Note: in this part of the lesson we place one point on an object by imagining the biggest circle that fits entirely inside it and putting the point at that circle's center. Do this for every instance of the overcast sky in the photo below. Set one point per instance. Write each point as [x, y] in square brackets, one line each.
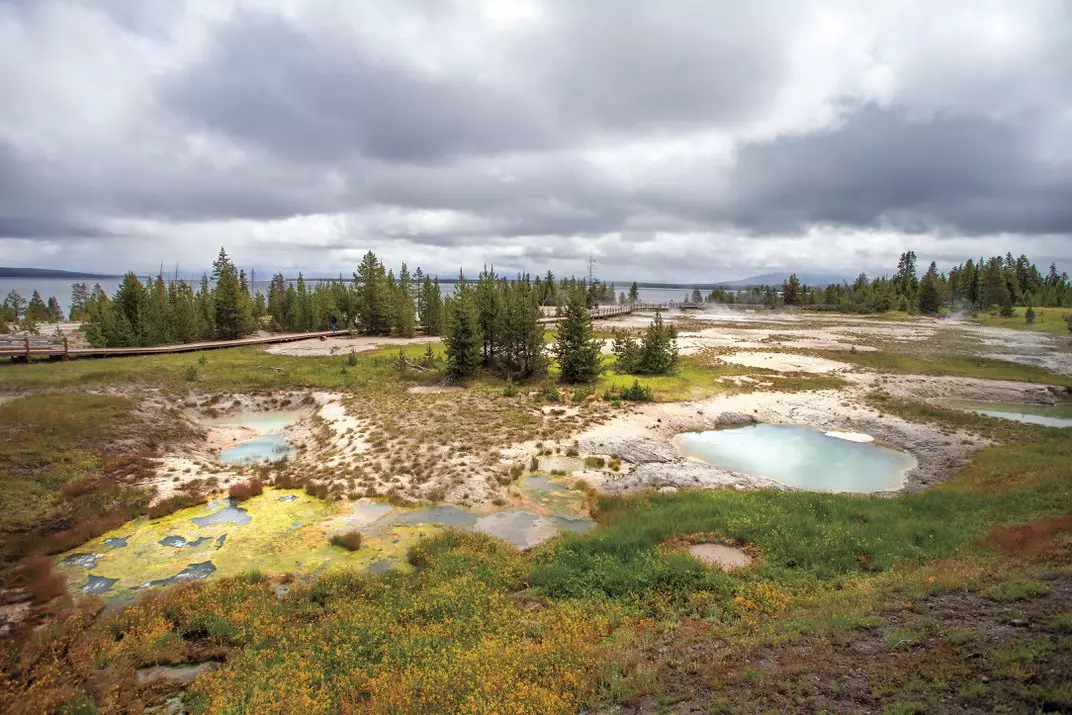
[672, 140]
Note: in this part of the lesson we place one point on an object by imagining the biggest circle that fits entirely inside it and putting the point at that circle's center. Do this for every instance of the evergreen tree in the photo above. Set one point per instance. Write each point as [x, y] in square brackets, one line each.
[462, 339]
[577, 349]
[930, 299]
[995, 289]
[130, 307]
[207, 309]
[37, 309]
[55, 312]
[16, 304]
[185, 317]
[293, 318]
[520, 336]
[659, 353]
[79, 297]
[431, 307]
[634, 293]
[405, 315]
[373, 300]
[488, 305]
[232, 306]
[277, 308]
[791, 291]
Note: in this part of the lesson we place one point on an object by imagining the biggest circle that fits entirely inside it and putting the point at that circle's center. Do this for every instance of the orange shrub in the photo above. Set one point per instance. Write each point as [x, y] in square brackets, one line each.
[349, 540]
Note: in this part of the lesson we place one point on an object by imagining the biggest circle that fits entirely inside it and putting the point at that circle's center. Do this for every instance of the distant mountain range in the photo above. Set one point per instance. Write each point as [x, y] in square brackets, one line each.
[10, 272]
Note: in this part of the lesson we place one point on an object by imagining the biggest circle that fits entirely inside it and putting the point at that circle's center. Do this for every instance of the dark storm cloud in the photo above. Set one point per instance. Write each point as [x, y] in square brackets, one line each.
[592, 120]
[268, 84]
[883, 167]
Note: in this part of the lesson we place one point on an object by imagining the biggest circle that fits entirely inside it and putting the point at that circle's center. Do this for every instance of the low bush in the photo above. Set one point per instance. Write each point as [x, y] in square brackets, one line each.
[594, 462]
[244, 490]
[349, 540]
[172, 504]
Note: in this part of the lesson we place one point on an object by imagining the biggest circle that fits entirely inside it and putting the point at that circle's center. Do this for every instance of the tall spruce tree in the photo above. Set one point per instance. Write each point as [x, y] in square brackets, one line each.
[577, 349]
[463, 340]
[373, 300]
[930, 298]
[232, 305]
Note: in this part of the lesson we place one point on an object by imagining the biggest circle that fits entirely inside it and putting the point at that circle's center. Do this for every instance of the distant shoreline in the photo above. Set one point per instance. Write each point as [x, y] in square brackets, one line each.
[9, 272]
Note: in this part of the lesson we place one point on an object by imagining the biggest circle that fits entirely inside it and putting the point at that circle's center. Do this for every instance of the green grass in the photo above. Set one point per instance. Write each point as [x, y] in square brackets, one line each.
[1017, 588]
[59, 467]
[955, 365]
[1048, 320]
[230, 370]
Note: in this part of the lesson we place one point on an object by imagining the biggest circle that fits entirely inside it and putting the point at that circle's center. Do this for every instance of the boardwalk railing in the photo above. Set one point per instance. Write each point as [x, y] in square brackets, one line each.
[22, 348]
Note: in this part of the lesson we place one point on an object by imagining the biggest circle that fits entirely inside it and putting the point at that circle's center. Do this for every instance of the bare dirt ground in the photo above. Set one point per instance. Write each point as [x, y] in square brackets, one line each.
[343, 345]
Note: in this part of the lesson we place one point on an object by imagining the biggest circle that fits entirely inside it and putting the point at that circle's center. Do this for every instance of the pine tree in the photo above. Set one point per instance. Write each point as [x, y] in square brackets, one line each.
[55, 312]
[488, 305]
[431, 307]
[659, 353]
[634, 293]
[577, 349]
[373, 301]
[232, 305]
[186, 321]
[130, 306]
[277, 308]
[16, 304]
[463, 340]
[37, 309]
[930, 299]
[79, 297]
[207, 309]
[405, 314]
[791, 291]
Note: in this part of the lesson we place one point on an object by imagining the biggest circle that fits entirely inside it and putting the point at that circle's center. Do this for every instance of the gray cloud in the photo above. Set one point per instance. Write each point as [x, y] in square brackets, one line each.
[653, 135]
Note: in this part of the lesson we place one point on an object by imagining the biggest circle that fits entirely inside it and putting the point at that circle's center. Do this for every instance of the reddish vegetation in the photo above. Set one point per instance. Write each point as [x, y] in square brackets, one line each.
[173, 504]
[83, 532]
[1031, 538]
[244, 490]
[41, 582]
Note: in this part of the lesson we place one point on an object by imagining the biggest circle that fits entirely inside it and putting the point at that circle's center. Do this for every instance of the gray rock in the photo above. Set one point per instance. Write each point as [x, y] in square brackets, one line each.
[182, 674]
[734, 419]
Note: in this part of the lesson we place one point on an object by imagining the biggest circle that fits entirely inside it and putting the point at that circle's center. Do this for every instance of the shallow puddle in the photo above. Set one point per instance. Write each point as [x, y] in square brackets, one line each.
[799, 457]
[266, 448]
[1045, 415]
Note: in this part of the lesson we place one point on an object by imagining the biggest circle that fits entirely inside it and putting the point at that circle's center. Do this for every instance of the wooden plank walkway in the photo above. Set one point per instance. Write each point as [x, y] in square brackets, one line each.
[23, 349]
[57, 350]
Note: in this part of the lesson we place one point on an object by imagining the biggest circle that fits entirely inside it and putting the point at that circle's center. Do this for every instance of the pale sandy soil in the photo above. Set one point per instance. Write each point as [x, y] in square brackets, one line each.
[346, 443]
[434, 389]
[785, 362]
[343, 345]
[721, 556]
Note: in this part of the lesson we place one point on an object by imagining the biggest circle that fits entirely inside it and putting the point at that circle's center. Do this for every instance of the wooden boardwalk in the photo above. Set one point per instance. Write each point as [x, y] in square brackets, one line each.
[23, 349]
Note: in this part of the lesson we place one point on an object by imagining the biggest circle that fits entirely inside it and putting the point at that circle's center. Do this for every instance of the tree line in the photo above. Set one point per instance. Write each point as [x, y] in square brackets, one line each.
[27, 314]
[997, 284]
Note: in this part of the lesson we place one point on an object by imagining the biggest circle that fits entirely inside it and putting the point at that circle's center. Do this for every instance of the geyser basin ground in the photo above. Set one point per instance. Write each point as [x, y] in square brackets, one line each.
[284, 531]
[1046, 415]
[267, 446]
[799, 457]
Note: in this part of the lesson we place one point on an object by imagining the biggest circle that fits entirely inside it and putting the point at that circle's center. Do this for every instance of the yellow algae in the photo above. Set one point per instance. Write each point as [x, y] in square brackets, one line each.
[288, 536]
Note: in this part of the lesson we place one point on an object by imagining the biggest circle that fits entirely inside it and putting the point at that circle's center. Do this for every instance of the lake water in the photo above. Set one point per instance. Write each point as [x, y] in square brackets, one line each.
[1046, 415]
[799, 457]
